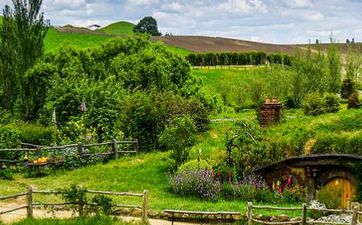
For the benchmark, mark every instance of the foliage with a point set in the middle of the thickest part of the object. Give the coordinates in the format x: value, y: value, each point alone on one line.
x: 245, y: 145
x: 353, y: 101
x: 147, y: 25
x: 358, y: 172
x: 198, y: 183
x: 77, y: 195
x: 6, y: 174
x: 334, y: 66
x: 22, y: 35
x: 348, y: 88
x: 314, y: 104
x: 95, y: 220
x: 103, y: 203
x: 237, y: 58
x: 331, y: 197
x: 72, y: 161
x: 179, y: 135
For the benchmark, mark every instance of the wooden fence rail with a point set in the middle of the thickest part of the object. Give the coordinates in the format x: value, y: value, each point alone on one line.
x: 80, y: 150
x: 304, y: 209
x: 30, y: 204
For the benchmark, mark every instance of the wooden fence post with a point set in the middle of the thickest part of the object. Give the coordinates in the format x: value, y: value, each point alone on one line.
x: 348, y: 205
x: 80, y: 149
x: 145, y: 205
x: 250, y: 213
x: 115, y: 149
x: 355, y: 216
x: 29, y: 200
x: 304, y: 214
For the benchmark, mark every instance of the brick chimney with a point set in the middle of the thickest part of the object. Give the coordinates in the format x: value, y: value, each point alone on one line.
x: 270, y: 112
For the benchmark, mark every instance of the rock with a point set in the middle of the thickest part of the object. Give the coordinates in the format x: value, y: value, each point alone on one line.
x: 125, y: 211
x: 152, y: 213
x: 236, y: 217
x: 228, y: 217
x: 185, y: 216
x: 273, y: 219
x: 136, y: 213
x: 117, y: 212
x: 259, y: 217
x: 165, y: 215
x: 283, y: 218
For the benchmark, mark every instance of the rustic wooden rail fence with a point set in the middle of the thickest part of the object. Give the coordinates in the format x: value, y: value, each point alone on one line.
x: 304, y: 210
x: 31, y: 204
x: 38, y: 150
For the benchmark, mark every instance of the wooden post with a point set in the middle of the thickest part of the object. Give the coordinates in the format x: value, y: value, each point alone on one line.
x: 145, y: 206
x: 304, y: 214
x: 115, y: 149
x: 348, y: 205
x: 250, y: 213
x: 80, y: 149
x: 29, y: 200
x: 355, y: 216
x: 136, y: 146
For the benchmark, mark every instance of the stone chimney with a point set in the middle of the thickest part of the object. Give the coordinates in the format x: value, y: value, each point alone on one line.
x: 270, y: 112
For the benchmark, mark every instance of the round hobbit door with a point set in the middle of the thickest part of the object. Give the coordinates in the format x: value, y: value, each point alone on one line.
x: 343, y: 188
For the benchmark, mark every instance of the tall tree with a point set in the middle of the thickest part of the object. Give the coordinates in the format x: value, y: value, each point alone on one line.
x: 22, y: 36
x: 147, y: 25
x: 334, y: 65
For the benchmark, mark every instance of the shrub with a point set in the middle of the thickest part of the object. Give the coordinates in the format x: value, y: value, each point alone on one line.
x: 194, y: 165
x: 6, y: 174
x: 313, y: 104
x: 331, y: 103
x: 348, y: 88
x: 331, y: 197
x: 199, y: 183
x: 353, y: 101
x: 103, y: 203
x: 179, y: 135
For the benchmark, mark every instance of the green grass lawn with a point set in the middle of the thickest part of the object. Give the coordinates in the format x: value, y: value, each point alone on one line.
x: 118, y: 28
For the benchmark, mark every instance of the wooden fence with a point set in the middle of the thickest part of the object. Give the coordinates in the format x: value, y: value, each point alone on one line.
x: 30, y: 204
x: 39, y: 151
x: 304, y: 210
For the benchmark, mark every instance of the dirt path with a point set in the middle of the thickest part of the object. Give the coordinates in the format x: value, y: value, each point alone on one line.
x: 41, y: 213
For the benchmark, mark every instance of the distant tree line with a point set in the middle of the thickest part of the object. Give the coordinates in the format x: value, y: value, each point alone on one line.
x: 237, y: 58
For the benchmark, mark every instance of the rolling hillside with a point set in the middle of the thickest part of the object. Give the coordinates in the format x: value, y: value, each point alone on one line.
x: 119, y: 28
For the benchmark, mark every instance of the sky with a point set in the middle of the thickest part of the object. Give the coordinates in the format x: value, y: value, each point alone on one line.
x: 272, y: 21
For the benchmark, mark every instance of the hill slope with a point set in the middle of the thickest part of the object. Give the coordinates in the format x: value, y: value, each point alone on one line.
x: 211, y: 44
x: 122, y: 27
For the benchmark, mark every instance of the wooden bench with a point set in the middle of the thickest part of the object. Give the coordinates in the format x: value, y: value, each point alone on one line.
x: 199, y: 213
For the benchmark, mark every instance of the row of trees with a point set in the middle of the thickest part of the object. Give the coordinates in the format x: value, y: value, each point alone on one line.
x: 237, y: 58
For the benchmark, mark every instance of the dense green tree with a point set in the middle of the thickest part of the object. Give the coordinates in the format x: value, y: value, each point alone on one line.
x: 334, y: 65
x: 147, y: 25
x: 22, y: 36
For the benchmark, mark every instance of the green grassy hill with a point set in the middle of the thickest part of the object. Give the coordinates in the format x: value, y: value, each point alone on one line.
x: 119, y: 28
x: 55, y: 39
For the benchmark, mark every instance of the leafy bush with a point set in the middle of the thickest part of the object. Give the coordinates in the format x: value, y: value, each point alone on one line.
x: 331, y: 197
x: 313, y: 104
x: 6, y: 174
x: 72, y: 160
x: 179, y: 136
x: 353, y: 101
x: 77, y: 195
x: 103, y: 203
x: 331, y: 103
x: 199, y: 183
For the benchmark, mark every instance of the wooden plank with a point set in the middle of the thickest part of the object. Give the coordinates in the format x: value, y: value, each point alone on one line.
x: 115, y: 193
x: 13, y: 210
x: 99, y: 154
x: 277, y: 208
x: 18, y: 150
x: 13, y: 196
x: 250, y: 213
x: 127, y: 151
x: 332, y: 210
x: 145, y: 206
x: 276, y: 223
x: 47, y: 192
x: 11, y: 161
x: 52, y: 204
x: 98, y: 144
x: 127, y: 206
x: 189, y: 212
